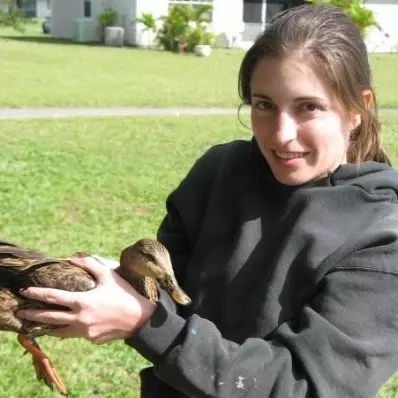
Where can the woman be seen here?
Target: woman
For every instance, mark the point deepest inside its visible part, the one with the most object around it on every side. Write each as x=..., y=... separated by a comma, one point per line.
x=288, y=244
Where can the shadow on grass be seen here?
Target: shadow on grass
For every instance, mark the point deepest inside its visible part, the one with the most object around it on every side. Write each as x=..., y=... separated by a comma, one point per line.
x=46, y=39
x=49, y=40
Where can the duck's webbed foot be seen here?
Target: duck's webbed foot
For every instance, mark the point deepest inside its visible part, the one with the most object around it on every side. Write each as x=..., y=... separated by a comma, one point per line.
x=43, y=367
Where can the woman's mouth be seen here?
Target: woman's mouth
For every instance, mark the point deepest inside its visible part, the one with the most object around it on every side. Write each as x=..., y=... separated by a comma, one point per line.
x=289, y=155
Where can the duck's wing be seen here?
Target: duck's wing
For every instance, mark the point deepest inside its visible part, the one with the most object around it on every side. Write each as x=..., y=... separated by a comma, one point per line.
x=20, y=267
x=16, y=262
x=18, y=258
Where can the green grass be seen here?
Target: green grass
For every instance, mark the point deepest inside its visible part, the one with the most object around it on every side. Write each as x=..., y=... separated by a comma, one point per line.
x=97, y=185
x=91, y=185
x=37, y=71
x=390, y=389
x=385, y=79
x=46, y=73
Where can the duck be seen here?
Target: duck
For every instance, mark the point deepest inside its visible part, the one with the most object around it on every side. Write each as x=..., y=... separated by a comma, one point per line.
x=146, y=265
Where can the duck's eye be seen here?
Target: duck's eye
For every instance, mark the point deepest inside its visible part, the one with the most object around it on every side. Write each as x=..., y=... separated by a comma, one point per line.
x=150, y=256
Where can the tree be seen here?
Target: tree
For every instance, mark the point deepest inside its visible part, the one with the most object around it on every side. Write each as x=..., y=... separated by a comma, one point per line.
x=356, y=11
x=11, y=15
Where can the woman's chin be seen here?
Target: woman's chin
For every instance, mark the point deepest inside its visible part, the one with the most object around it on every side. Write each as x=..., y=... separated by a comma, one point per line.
x=293, y=177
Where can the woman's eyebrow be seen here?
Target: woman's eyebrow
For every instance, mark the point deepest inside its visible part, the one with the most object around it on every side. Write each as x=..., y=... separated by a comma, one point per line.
x=260, y=96
x=309, y=98
x=296, y=99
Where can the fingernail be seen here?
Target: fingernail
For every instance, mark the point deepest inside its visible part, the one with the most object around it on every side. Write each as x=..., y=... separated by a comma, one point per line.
x=22, y=290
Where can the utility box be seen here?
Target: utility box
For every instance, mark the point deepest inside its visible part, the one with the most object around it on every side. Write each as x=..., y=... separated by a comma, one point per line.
x=81, y=30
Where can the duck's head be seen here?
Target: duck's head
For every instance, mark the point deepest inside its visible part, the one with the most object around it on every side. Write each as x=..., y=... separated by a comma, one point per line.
x=148, y=257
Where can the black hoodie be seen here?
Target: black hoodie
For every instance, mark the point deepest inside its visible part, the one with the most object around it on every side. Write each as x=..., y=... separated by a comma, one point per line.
x=294, y=289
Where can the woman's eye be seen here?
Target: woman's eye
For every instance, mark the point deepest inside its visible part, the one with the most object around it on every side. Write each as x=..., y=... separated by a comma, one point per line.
x=263, y=105
x=310, y=107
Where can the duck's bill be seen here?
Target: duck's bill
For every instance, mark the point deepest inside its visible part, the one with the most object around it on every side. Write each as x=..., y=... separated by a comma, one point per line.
x=180, y=297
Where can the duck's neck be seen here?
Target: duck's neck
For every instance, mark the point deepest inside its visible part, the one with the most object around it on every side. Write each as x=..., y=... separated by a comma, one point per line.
x=144, y=285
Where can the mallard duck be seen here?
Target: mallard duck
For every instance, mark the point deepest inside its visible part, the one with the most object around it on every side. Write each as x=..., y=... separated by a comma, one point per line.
x=146, y=263
x=143, y=265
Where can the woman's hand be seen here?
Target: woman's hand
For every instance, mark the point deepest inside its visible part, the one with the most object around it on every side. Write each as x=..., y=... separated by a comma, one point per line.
x=112, y=310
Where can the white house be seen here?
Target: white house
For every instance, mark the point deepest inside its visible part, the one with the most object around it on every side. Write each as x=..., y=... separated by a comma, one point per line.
x=384, y=39
x=238, y=22
x=76, y=19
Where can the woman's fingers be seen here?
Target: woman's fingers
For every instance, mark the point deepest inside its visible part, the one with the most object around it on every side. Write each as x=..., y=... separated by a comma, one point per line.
x=51, y=296
x=91, y=265
x=66, y=332
x=51, y=317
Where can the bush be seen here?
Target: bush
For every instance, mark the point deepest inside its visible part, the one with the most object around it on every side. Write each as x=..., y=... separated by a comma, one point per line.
x=11, y=15
x=356, y=11
x=199, y=35
x=148, y=20
x=173, y=34
x=107, y=17
x=184, y=27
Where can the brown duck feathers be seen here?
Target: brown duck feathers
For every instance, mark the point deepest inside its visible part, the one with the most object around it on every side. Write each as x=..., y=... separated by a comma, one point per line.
x=20, y=268
x=143, y=265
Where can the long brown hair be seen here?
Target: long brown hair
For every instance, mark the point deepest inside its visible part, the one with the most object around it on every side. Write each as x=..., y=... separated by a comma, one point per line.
x=326, y=37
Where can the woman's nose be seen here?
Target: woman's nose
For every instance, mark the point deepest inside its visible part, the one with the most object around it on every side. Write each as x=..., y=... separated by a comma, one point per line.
x=286, y=128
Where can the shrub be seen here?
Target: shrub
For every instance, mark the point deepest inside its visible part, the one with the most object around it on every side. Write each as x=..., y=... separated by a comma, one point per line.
x=199, y=34
x=150, y=26
x=356, y=11
x=184, y=27
x=107, y=17
x=148, y=20
x=11, y=15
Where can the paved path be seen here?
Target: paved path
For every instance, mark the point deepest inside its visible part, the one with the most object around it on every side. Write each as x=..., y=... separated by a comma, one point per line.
x=46, y=113
x=43, y=113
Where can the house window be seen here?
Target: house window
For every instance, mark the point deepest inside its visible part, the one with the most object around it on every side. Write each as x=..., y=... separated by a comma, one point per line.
x=190, y=1
x=87, y=9
x=276, y=6
x=252, y=11
x=27, y=7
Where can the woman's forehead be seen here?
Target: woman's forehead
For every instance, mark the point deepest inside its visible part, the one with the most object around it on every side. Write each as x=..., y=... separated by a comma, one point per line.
x=287, y=77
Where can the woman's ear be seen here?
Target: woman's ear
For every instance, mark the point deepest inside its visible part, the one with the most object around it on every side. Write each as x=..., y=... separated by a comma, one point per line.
x=367, y=96
x=356, y=119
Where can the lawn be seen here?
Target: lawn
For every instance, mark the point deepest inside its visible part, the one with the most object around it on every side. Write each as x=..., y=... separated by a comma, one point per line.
x=97, y=185
x=37, y=71
x=92, y=185
x=62, y=74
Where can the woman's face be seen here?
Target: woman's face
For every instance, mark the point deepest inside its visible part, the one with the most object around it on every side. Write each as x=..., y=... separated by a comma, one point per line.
x=300, y=131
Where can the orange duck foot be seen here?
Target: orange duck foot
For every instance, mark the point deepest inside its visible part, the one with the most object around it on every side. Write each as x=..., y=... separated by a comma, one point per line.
x=43, y=367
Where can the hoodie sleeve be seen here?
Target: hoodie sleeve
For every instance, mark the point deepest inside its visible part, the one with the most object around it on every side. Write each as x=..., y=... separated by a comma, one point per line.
x=172, y=235
x=174, y=232
x=341, y=344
